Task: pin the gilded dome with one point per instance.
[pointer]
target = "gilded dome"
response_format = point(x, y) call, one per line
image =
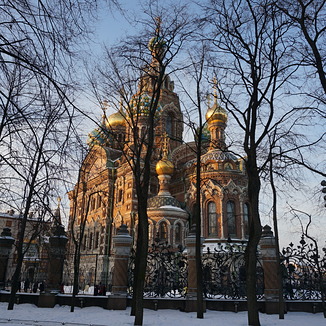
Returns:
point(164, 166)
point(216, 112)
point(116, 119)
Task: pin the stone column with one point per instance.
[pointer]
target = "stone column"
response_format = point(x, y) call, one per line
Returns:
point(6, 242)
point(121, 251)
point(269, 261)
point(57, 252)
point(191, 297)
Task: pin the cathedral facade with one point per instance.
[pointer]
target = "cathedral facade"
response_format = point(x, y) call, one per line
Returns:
point(105, 196)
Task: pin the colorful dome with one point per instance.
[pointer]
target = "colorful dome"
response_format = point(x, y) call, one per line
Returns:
point(164, 166)
point(142, 105)
point(216, 113)
point(116, 119)
point(96, 137)
point(157, 45)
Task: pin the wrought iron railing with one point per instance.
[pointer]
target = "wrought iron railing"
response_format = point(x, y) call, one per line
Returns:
point(224, 273)
point(303, 271)
point(166, 274)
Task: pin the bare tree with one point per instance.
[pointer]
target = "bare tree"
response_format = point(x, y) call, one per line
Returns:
point(194, 74)
point(32, 159)
point(134, 83)
point(308, 31)
point(37, 52)
point(252, 67)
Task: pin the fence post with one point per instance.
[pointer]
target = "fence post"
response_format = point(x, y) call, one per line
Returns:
point(6, 242)
point(57, 253)
point(121, 251)
point(269, 261)
point(191, 297)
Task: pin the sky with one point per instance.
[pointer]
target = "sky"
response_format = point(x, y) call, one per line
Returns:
point(28, 314)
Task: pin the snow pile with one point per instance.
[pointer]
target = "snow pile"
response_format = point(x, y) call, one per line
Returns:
point(27, 314)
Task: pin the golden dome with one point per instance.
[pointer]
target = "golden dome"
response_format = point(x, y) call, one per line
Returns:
point(116, 119)
point(164, 166)
point(216, 113)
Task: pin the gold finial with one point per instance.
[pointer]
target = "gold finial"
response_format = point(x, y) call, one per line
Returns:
point(165, 146)
point(215, 87)
point(208, 97)
point(104, 107)
point(59, 201)
point(158, 22)
point(121, 103)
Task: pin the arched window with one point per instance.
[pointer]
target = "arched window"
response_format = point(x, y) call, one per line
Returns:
point(90, 242)
point(246, 219)
point(230, 211)
point(178, 233)
point(169, 125)
point(163, 231)
point(120, 195)
point(212, 219)
point(193, 214)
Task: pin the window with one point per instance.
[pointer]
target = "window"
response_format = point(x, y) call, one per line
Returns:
point(85, 242)
point(178, 233)
point(169, 125)
point(90, 241)
point(193, 214)
point(96, 239)
point(212, 220)
point(163, 231)
point(230, 210)
point(246, 219)
point(120, 195)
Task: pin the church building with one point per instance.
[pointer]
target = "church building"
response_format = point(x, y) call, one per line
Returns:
point(105, 197)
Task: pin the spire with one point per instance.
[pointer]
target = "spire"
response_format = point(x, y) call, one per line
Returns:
point(165, 146)
point(164, 168)
point(216, 118)
point(57, 215)
point(104, 107)
point(157, 44)
point(215, 86)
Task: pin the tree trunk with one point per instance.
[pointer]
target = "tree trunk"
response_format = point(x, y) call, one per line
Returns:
point(141, 252)
point(199, 270)
point(254, 237)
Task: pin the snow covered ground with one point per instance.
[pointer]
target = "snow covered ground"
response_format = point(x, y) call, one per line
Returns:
point(27, 314)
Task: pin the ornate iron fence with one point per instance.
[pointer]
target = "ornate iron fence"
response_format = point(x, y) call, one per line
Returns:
point(303, 271)
point(166, 274)
point(224, 273)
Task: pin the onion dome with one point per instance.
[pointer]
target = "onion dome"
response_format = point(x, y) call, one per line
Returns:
point(157, 44)
point(205, 136)
point(216, 113)
point(116, 119)
point(142, 105)
point(96, 137)
point(164, 166)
